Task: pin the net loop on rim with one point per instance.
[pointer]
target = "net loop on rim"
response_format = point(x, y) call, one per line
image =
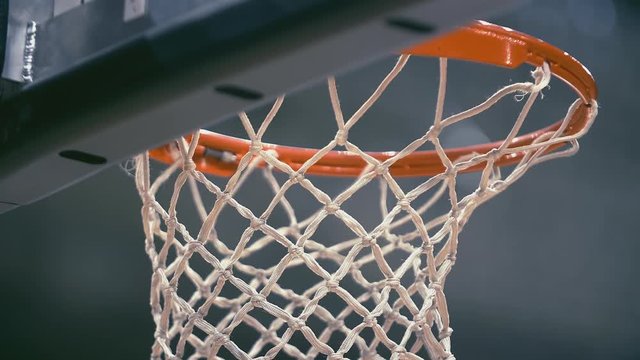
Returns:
point(239, 308)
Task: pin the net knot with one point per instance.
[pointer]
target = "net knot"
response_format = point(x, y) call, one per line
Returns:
point(404, 203)
point(269, 336)
point(160, 334)
point(374, 289)
point(392, 238)
point(335, 356)
point(188, 166)
point(204, 290)
point(341, 137)
point(258, 300)
point(299, 301)
point(295, 250)
point(392, 315)
point(257, 223)
point(223, 196)
point(541, 76)
point(171, 222)
point(355, 267)
point(147, 199)
point(332, 207)
point(335, 324)
point(419, 322)
point(296, 177)
point(380, 169)
point(493, 154)
point(181, 318)
point(434, 132)
point(193, 245)
point(393, 282)
point(227, 274)
point(261, 275)
point(169, 290)
point(399, 349)
point(194, 316)
point(368, 240)
point(256, 146)
point(296, 324)
point(370, 354)
point(445, 333)
point(369, 320)
point(220, 338)
point(435, 285)
point(450, 171)
point(332, 285)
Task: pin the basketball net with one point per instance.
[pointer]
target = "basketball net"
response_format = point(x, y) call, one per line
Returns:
point(410, 296)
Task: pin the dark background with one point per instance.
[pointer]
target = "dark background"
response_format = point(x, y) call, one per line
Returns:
point(546, 270)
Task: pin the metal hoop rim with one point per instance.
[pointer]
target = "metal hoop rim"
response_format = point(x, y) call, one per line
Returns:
point(480, 42)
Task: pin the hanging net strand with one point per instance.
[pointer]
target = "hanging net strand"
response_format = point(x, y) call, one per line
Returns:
point(408, 296)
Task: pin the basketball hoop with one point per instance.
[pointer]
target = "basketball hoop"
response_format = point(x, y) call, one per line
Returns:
point(410, 296)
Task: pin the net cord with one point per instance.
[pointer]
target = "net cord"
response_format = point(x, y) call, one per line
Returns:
point(419, 306)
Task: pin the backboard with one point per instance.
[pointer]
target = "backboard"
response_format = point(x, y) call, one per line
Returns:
point(85, 81)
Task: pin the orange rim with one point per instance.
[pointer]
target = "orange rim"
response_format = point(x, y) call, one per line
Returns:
point(479, 42)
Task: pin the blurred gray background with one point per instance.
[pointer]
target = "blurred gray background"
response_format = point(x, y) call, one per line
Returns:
point(546, 270)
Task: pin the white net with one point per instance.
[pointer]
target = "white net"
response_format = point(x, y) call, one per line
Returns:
point(236, 309)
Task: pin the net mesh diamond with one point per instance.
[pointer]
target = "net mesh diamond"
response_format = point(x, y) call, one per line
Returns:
point(237, 309)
